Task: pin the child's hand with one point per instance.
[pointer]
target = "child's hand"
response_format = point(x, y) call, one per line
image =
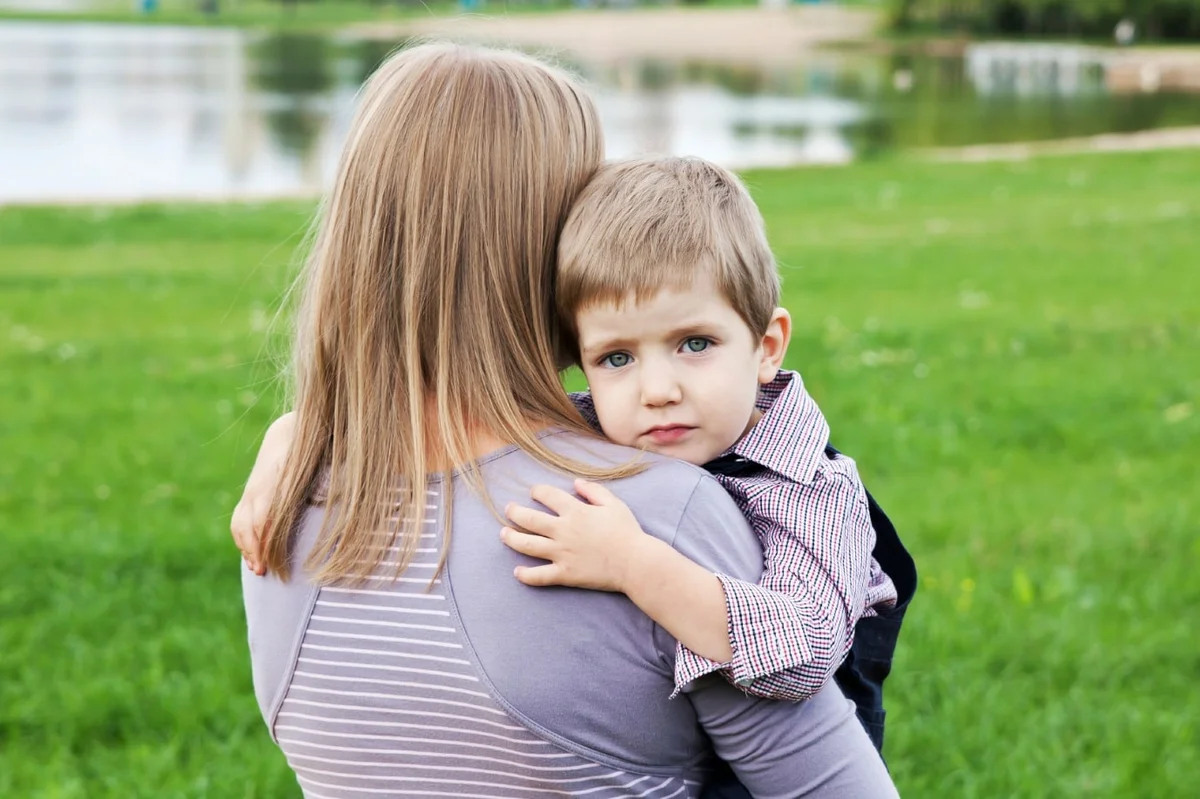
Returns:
point(588, 545)
point(250, 523)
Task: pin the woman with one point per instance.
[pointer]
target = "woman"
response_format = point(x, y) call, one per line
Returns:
point(394, 654)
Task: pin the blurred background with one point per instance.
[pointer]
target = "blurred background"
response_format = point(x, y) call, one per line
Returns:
point(987, 213)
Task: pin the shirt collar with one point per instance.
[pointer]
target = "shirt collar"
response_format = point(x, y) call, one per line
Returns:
point(790, 437)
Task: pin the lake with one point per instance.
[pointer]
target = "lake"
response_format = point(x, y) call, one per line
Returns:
point(92, 112)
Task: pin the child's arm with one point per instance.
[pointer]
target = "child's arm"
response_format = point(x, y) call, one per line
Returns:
point(601, 546)
point(781, 639)
point(249, 523)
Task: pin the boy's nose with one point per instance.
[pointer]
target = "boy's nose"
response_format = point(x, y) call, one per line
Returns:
point(659, 387)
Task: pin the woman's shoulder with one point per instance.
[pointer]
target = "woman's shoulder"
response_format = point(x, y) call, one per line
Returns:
point(662, 487)
point(669, 497)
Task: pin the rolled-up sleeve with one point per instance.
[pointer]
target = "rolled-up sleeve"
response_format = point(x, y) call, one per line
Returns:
point(790, 631)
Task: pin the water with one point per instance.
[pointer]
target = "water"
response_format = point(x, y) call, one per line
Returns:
point(95, 112)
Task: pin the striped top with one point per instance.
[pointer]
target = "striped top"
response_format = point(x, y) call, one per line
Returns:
point(479, 687)
point(384, 701)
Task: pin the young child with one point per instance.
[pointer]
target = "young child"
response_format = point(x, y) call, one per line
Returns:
point(669, 297)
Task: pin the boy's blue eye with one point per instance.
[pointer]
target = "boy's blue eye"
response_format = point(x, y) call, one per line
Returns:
point(696, 344)
point(616, 360)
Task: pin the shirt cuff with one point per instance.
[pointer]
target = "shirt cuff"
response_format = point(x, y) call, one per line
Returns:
point(690, 667)
point(764, 634)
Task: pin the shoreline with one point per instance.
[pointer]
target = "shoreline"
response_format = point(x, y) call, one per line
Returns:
point(1182, 138)
point(737, 35)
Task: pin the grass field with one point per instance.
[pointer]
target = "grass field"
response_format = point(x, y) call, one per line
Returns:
point(1009, 350)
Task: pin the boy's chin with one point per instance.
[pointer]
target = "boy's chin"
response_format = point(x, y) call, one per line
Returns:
point(693, 455)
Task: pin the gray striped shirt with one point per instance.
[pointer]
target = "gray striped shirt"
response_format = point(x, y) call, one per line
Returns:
point(477, 686)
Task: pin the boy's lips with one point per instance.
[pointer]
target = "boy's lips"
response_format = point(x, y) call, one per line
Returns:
point(668, 433)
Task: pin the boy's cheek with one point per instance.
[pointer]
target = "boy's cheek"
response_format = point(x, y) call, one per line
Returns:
point(615, 419)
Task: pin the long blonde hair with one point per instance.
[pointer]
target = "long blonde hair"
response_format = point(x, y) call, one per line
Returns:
point(427, 322)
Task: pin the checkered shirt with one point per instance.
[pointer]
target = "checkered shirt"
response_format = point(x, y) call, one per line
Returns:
point(790, 632)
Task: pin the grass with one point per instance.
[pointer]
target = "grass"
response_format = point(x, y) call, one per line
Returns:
point(1008, 349)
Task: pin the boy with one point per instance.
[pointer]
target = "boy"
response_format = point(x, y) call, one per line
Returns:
point(668, 294)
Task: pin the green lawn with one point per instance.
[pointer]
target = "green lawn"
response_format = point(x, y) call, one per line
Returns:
point(1009, 350)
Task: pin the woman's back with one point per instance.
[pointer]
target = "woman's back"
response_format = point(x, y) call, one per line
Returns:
point(479, 686)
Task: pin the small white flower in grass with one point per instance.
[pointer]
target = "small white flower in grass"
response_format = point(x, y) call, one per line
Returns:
point(835, 332)
point(971, 300)
point(160, 492)
point(889, 193)
point(1177, 412)
point(259, 320)
point(937, 227)
point(27, 338)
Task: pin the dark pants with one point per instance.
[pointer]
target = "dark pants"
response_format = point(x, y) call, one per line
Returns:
point(869, 661)
point(862, 674)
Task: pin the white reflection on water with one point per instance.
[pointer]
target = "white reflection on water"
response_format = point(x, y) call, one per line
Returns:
point(108, 112)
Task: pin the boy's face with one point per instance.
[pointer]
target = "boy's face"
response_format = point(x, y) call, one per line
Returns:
point(679, 373)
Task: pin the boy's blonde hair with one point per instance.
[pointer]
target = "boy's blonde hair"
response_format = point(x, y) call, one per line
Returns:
point(427, 324)
point(647, 224)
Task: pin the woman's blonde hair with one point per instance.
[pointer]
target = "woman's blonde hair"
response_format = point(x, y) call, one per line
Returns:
point(427, 321)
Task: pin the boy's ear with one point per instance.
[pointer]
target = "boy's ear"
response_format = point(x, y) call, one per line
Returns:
point(774, 345)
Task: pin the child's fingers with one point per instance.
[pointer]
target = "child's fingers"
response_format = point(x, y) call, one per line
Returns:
point(249, 536)
point(241, 526)
point(535, 546)
point(595, 493)
point(553, 498)
point(549, 574)
point(533, 520)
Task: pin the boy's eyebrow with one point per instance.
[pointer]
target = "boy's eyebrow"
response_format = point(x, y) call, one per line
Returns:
point(605, 344)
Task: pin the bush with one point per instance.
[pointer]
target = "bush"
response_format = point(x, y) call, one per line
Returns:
point(1156, 19)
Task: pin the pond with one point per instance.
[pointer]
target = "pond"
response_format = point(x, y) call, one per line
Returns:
point(94, 112)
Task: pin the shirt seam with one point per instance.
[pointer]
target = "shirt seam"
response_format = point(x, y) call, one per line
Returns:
point(534, 727)
point(285, 684)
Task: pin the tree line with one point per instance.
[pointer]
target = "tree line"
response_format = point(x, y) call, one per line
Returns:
point(1155, 20)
